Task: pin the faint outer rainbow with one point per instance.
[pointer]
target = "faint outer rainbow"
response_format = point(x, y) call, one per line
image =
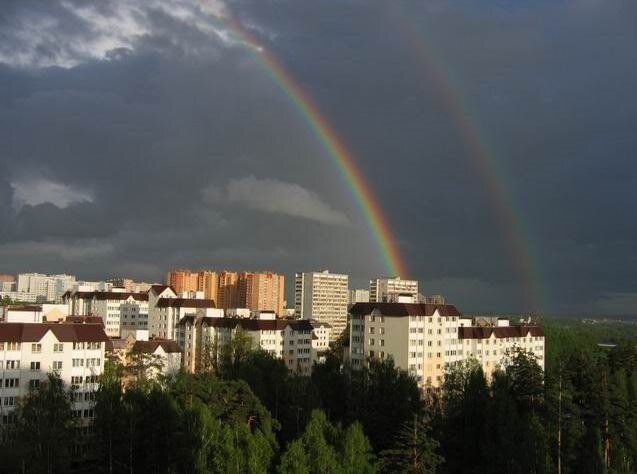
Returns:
point(335, 147)
point(484, 161)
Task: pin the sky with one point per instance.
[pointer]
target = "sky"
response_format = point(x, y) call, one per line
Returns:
point(499, 138)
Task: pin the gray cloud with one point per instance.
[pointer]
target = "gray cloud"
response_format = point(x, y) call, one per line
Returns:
point(274, 196)
point(134, 109)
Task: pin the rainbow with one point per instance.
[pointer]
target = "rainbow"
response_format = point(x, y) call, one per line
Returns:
point(333, 145)
point(484, 161)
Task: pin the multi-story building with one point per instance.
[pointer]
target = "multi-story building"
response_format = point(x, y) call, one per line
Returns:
point(129, 285)
point(358, 296)
point(227, 290)
point(261, 291)
point(166, 309)
point(322, 296)
point(389, 289)
point(427, 339)
point(46, 287)
point(118, 308)
point(183, 281)
point(7, 283)
point(299, 342)
point(29, 351)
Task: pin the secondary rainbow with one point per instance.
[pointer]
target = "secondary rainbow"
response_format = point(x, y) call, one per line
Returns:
point(484, 160)
point(333, 145)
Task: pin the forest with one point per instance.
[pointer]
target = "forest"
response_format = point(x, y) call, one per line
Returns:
point(246, 413)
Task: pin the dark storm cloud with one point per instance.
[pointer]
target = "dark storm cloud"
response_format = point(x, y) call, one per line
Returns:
point(155, 122)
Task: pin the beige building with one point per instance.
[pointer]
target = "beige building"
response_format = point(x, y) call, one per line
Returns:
point(300, 343)
point(29, 351)
point(322, 296)
point(389, 289)
point(427, 339)
point(185, 281)
point(261, 291)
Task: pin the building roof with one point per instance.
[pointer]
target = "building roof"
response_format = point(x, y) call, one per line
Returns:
point(84, 320)
point(149, 347)
point(110, 295)
point(404, 309)
point(34, 332)
point(25, 308)
point(157, 289)
point(485, 332)
point(256, 324)
point(185, 303)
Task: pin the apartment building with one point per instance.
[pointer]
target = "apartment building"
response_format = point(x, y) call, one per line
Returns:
point(118, 308)
point(29, 351)
point(358, 296)
point(45, 287)
point(261, 291)
point(166, 309)
point(299, 342)
point(389, 289)
point(322, 296)
point(427, 339)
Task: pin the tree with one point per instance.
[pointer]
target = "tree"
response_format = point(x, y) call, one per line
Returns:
point(414, 450)
point(44, 428)
point(357, 456)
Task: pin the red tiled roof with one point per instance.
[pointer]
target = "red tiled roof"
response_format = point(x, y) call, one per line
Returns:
point(485, 332)
point(24, 308)
point(109, 295)
point(34, 332)
point(404, 309)
point(185, 303)
point(256, 324)
point(84, 320)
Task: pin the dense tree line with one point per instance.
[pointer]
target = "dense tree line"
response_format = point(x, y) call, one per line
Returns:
point(245, 413)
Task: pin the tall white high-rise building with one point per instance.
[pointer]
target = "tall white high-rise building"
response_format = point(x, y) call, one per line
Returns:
point(45, 287)
point(383, 290)
point(322, 296)
point(358, 296)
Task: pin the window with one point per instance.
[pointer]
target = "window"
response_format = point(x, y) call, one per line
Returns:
point(13, 346)
point(371, 342)
point(382, 343)
point(78, 362)
point(12, 364)
point(34, 383)
point(11, 383)
point(57, 365)
point(36, 348)
point(58, 347)
point(35, 366)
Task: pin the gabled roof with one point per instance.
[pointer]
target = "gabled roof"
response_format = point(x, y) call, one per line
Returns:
point(158, 289)
point(404, 309)
point(34, 332)
point(149, 347)
point(255, 324)
point(485, 332)
point(185, 303)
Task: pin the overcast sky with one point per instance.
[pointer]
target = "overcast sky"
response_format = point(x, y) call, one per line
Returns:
point(142, 135)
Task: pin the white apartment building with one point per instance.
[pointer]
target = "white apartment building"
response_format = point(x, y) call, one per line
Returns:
point(45, 287)
point(299, 342)
point(322, 296)
point(427, 339)
point(389, 289)
point(21, 297)
point(358, 296)
point(118, 308)
point(166, 309)
point(29, 351)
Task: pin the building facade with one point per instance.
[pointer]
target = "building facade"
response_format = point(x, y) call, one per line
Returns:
point(261, 291)
point(389, 289)
point(46, 287)
point(358, 296)
point(322, 296)
point(427, 339)
point(29, 351)
point(300, 343)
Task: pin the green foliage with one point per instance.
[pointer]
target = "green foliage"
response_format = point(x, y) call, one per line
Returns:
point(414, 450)
point(44, 431)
